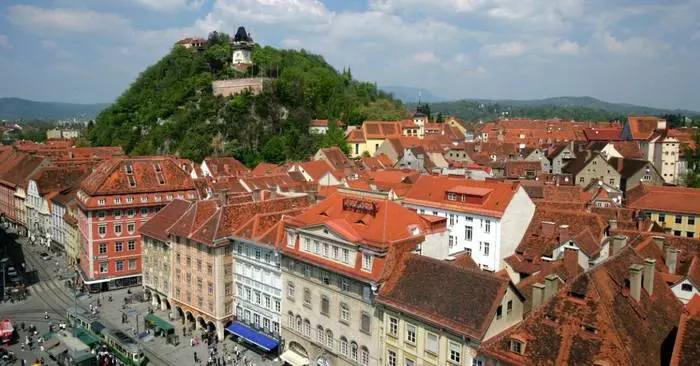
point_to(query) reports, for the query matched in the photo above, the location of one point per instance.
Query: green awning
(87, 338)
(159, 323)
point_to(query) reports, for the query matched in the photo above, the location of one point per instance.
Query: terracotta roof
(373, 222)
(50, 179)
(664, 198)
(594, 319)
(628, 149)
(694, 271)
(267, 169)
(112, 176)
(355, 136)
(381, 129)
(225, 166)
(581, 162)
(336, 158)
(17, 168)
(157, 226)
(316, 169)
(602, 134)
(460, 299)
(642, 127)
(686, 350)
(520, 168)
(629, 167)
(492, 200)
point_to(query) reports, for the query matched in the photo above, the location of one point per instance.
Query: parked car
(45, 256)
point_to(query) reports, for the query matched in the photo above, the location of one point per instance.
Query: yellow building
(438, 312)
(676, 209)
(371, 135)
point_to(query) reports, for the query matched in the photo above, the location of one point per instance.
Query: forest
(170, 107)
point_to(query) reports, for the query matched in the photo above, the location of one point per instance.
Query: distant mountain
(23, 109)
(587, 102)
(410, 95)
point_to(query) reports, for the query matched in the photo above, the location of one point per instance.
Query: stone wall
(227, 88)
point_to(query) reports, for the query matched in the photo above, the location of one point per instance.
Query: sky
(635, 51)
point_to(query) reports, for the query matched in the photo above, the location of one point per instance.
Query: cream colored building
(439, 312)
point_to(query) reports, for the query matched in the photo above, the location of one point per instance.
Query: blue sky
(636, 51)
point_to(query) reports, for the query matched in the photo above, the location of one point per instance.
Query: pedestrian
(42, 348)
(22, 345)
(195, 356)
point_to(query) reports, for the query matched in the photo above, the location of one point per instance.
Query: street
(52, 295)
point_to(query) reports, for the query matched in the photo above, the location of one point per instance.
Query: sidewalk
(183, 354)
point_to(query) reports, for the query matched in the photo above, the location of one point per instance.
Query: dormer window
(129, 168)
(517, 346)
(129, 199)
(158, 168)
(101, 202)
(132, 181)
(144, 199)
(366, 262)
(117, 200)
(161, 179)
(451, 196)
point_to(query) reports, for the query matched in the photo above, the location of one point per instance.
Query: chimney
(547, 228)
(551, 282)
(563, 233)
(537, 295)
(571, 259)
(659, 241)
(671, 259)
(636, 281)
(612, 223)
(618, 242)
(648, 278)
(661, 124)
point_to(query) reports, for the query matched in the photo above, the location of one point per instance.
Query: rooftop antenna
(420, 94)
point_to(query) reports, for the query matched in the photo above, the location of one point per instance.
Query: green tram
(123, 346)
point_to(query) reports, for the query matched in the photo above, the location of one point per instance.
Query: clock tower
(242, 48)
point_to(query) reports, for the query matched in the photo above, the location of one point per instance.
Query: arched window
(364, 356)
(298, 327)
(353, 350)
(307, 328)
(290, 320)
(320, 334)
(329, 339)
(343, 346)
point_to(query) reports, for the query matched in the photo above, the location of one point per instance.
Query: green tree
(335, 136)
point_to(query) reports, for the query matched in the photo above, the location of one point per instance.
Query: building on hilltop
(242, 46)
(195, 43)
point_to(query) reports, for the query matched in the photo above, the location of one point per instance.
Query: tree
(439, 118)
(335, 136)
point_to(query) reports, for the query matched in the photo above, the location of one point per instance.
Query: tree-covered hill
(170, 108)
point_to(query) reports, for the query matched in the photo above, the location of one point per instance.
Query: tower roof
(242, 35)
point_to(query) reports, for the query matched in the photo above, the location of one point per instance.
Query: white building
(657, 146)
(485, 219)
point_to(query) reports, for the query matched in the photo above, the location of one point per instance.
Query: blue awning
(261, 340)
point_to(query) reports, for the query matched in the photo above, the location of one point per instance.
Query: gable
(325, 232)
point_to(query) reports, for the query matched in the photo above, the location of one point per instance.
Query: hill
(170, 108)
(573, 108)
(23, 109)
(410, 95)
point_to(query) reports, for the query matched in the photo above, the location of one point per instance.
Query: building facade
(676, 209)
(115, 200)
(485, 219)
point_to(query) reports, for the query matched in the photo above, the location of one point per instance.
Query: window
(325, 278)
(366, 322)
(410, 362)
(118, 247)
(278, 306)
(353, 351)
(117, 213)
(468, 233)
(391, 358)
(690, 234)
(132, 245)
(317, 247)
(326, 249)
(325, 305)
(117, 200)
(452, 196)
(103, 267)
(132, 264)
(290, 290)
(118, 229)
(268, 302)
(144, 211)
(308, 271)
(102, 230)
(455, 352)
(364, 356)
(307, 244)
(101, 215)
(691, 220)
(346, 255)
(131, 212)
(131, 227)
(320, 335)
(343, 346)
(307, 297)
(410, 333)
(687, 287)
(499, 311)
(344, 313)
(366, 262)
(486, 248)
(477, 362)
(103, 248)
(662, 217)
(509, 307)
(336, 252)
(329, 339)
(452, 219)
(677, 232)
(210, 288)
(431, 343)
(516, 346)
(487, 227)
(393, 326)
(451, 242)
(101, 202)
(345, 284)
(119, 266)
(307, 328)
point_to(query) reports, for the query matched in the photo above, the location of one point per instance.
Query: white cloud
(4, 42)
(297, 12)
(64, 19)
(568, 48)
(426, 57)
(508, 49)
(170, 5)
(632, 46)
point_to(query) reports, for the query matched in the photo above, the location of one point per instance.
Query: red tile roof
(664, 199)
(686, 350)
(355, 136)
(267, 169)
(336, 158)
(18, 166)
(381, 129)
(157, 226)
(224, 166)
(519, 168)
(628, 149)
(642, 127)
(594, 319)
(602, 134)
(55, 179)
(456, 298)
(432, 191)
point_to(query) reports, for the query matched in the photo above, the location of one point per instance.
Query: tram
(124, 347)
